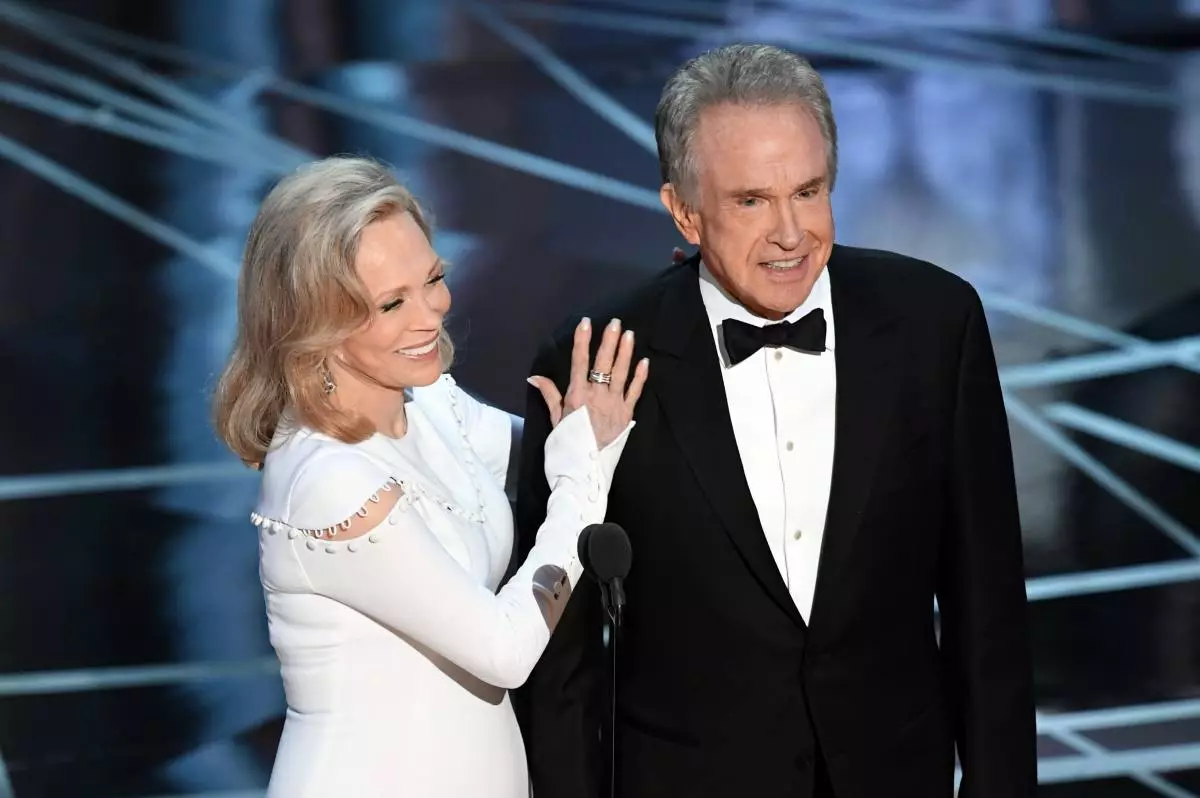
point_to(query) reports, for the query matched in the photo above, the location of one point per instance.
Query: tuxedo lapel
(687, 381)
(868, 347)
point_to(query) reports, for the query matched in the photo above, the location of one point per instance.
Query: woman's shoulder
(308, 473)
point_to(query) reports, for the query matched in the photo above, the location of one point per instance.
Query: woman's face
(405, 279)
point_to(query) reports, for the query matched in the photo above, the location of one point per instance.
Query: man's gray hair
(738, 74)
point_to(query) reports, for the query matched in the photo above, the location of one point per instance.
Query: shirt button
(779, 354)
(797, 535)
(790, 446)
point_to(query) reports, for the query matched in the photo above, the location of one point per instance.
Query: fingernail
(532, 381)
(615, 324)
(585, 323)
(629, 334)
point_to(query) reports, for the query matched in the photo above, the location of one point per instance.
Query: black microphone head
(605, 552)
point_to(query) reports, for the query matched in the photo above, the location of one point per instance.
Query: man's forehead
(726, 116)
(763, 164)
(758, 134)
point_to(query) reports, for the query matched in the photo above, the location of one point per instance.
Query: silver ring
(599, 377)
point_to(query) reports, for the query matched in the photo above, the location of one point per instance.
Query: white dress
(396, 649)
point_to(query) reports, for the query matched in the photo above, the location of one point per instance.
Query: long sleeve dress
(396, 647)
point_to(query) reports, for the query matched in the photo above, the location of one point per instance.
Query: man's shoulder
(902, 281)
(892, 268)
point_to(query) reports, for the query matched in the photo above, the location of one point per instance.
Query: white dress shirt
(782, 405)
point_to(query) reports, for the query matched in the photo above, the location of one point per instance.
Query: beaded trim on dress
(409, 491)
(272, 525)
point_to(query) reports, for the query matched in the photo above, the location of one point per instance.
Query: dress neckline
(457, 444)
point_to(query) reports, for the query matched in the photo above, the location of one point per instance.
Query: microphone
(606, 556)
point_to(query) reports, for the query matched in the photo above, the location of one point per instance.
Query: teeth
(421, 350)
(783, 265)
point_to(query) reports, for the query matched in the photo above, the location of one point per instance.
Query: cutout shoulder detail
(395, 495)
(377, 508)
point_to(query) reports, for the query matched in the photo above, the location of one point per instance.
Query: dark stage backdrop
(1047, 150)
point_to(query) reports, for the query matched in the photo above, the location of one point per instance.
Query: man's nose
(787, 233)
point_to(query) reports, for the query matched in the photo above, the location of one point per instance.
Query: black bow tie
(743, 340)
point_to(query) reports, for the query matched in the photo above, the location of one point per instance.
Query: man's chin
(778, 304)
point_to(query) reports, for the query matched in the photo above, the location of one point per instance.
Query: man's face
(762, 218)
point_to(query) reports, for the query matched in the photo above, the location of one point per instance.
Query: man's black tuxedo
(723, 688)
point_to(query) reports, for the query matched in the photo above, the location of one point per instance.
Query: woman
(384, 527)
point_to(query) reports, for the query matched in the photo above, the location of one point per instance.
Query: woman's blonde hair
(299, 296)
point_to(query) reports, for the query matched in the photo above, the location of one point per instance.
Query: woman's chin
(421, 377)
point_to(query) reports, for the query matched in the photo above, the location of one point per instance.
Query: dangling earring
(327, 379)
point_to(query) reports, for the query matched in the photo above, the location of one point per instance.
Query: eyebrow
(391, 293)
(812, 182)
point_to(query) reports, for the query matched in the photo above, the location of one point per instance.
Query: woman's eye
(395, 303)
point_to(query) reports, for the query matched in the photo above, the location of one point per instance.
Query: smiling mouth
(785, 265)
(420, 351)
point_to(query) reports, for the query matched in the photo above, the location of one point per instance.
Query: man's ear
(686, 220)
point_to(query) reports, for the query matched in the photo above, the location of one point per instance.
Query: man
(821, 450)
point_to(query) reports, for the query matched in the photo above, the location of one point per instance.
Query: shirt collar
(719, 305)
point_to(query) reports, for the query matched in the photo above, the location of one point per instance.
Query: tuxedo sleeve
(981, 594)
(560, 706)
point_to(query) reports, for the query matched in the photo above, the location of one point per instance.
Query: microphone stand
(610, 543)
(612, 596)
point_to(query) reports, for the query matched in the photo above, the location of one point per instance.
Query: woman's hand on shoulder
(610, 389)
